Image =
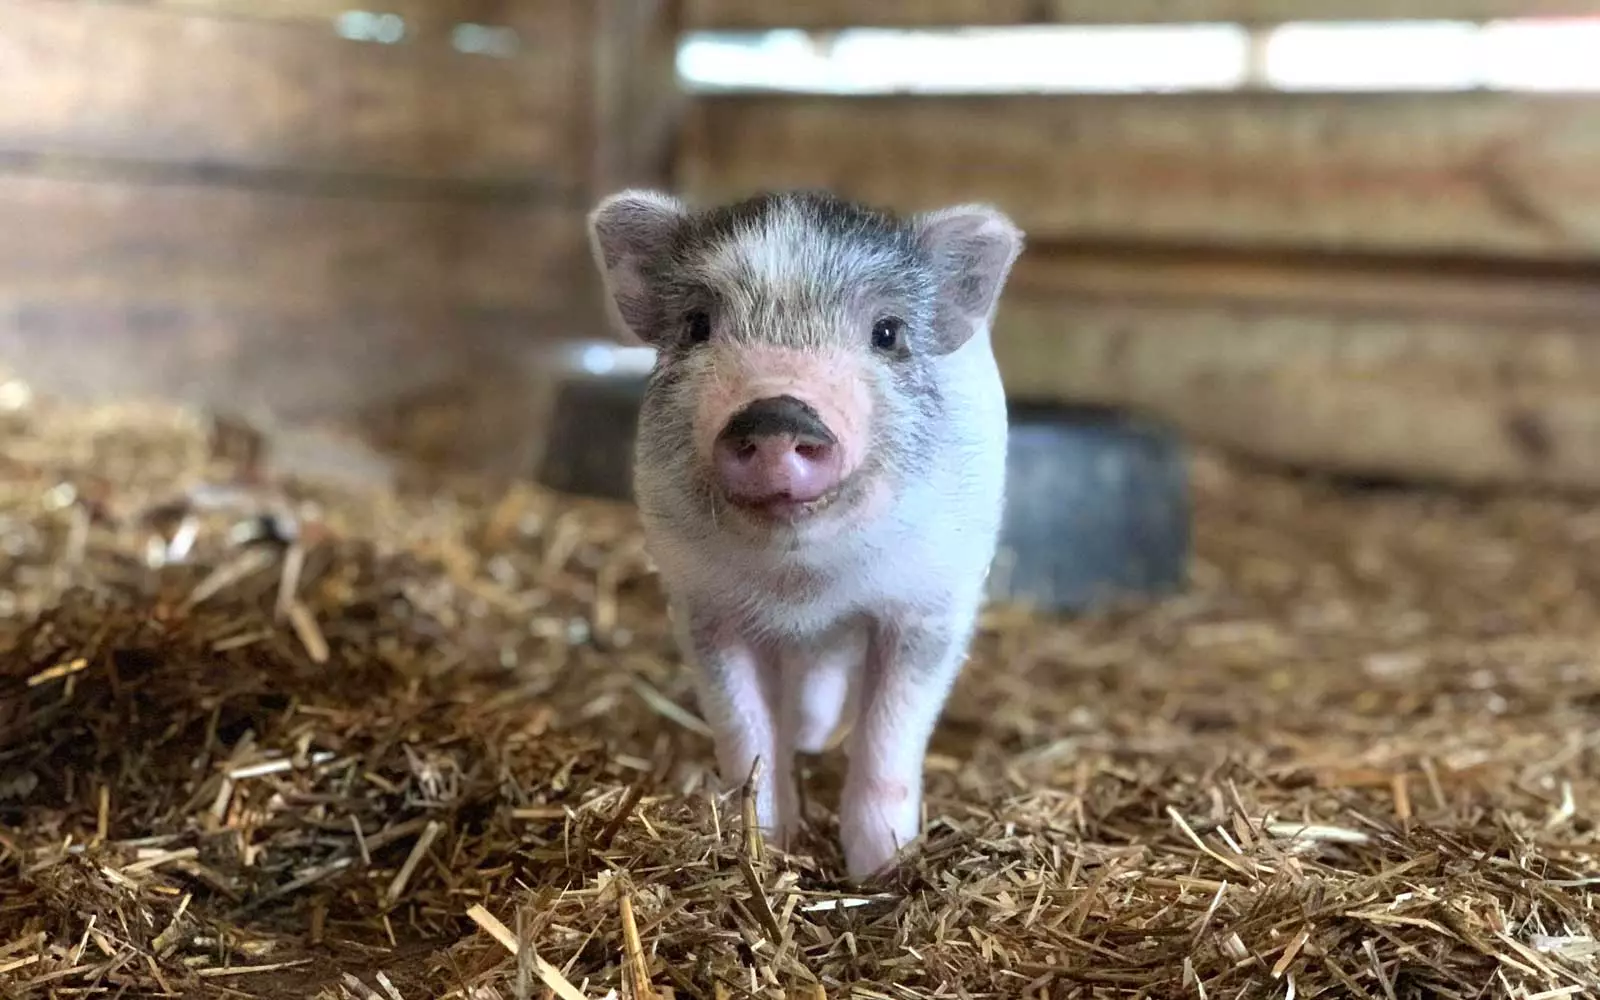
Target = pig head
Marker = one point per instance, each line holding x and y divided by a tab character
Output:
820	472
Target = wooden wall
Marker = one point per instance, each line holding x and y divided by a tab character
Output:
827	14
1385	284
235	203
230	202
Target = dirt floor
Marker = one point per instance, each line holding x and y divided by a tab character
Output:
331	744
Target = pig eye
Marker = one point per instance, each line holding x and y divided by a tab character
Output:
886	333
698	323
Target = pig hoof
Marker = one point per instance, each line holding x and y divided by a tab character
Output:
780	831
776	816
786	837
875	828
870	852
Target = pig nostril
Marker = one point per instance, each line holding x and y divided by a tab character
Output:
788	467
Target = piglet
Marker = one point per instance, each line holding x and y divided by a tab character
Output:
820	472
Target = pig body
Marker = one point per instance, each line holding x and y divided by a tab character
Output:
820	472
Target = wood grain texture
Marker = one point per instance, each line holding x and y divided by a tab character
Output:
162	86
1460	173
740	14
423	18
1343	284
638	104
306	304
125	243
1465	379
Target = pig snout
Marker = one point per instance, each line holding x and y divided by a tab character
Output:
777	450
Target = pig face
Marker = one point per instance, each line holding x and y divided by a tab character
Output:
798	340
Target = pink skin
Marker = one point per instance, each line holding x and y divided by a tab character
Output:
911	664
780	469
740	708
836	599
766	703
783	472
818	696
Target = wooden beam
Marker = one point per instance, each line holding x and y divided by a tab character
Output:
156	85
114	242
638	104
290	363
1338	284
427	19
1463	379
1470	173
307	304
739	15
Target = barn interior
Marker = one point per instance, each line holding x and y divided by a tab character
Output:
332	663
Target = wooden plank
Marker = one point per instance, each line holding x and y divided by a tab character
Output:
453	388
106	241
739	15
309	303
1470	173
1463	379
638	104
423	18
159	86
289	363
1525	293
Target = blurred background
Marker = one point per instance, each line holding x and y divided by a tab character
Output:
1356	235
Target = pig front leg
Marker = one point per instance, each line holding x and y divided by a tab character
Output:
737	686
912	662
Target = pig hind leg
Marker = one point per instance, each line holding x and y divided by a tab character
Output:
738	692
820	686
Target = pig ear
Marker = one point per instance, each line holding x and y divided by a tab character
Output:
973	248
627	230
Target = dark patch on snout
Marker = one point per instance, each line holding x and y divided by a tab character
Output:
777	415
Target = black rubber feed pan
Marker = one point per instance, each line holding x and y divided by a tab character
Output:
592	395
1097	506
1097	509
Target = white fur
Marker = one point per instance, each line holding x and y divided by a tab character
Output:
778	255
781	255
864	617
922	561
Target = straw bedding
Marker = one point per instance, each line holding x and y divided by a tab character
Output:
405	744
